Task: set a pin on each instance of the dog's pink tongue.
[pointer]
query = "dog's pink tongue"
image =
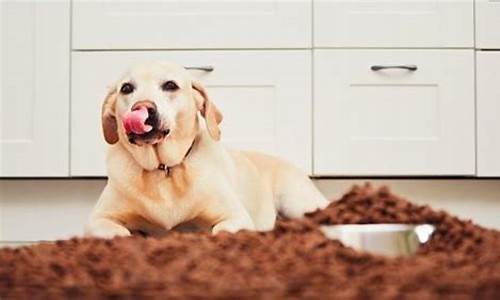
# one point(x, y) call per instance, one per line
point(134, 121)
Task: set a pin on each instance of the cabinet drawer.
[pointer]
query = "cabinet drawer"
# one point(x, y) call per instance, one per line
point(393, 23)
point(488, 111)
point(265, 97)
point(487, 24)
point(166, 24)
point(394, 121)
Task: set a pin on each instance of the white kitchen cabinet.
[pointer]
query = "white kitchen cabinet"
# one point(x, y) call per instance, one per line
point(394, 121)
point(487, 24)
point(166, 24)
point(265, 97)
point(34, 88)
point(488, 113)
point(394, 23)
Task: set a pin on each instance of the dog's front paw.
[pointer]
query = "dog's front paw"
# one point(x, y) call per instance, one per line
point(106, 229)
point(233, 226)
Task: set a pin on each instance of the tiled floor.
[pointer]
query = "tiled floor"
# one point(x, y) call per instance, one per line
point(58, 209)
point(15, 244)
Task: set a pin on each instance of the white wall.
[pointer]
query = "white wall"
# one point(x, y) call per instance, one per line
point(51, 209)
point(45, 209)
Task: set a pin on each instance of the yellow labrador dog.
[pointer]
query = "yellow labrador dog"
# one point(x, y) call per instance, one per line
point(167, 167)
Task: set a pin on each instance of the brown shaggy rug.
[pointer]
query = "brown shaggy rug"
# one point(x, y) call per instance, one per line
point(295, 260)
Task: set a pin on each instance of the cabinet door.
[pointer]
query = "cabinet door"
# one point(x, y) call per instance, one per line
point(166, 24)
point(394, 121)
point(488, 113)
point(487, 24)
point(265, 97)
point(394, 23)
point(34, 88)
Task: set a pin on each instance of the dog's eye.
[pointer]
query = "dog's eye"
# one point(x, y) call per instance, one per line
point(127, 88)
point(169, 86)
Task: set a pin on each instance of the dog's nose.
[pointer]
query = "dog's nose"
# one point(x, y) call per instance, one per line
point(149, 105)
point(153, 117)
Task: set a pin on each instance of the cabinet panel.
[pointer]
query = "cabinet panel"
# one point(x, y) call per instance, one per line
point(487, 24)
point(394, 121)
point(167, 24)
point(34, 88)
point(265, 97)
point(488, 113)
point(394, 23)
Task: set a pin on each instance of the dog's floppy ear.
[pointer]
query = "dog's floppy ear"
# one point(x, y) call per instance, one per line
point(109, 126)
point(209, 111)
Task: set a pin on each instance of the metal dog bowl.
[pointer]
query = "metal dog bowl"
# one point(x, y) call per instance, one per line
point(382, 239)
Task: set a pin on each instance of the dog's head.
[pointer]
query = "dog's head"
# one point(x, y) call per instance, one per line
point(155, 106)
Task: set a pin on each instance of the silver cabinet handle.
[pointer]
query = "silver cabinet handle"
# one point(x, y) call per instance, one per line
point(405, 67)
point(201, 68)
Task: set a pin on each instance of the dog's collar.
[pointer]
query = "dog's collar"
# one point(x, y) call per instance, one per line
point(166, 168)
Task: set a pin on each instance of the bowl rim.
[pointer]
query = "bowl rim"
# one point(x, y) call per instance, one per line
point(380, 227)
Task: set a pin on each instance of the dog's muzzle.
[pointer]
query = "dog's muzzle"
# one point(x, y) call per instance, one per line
point(143, 124)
